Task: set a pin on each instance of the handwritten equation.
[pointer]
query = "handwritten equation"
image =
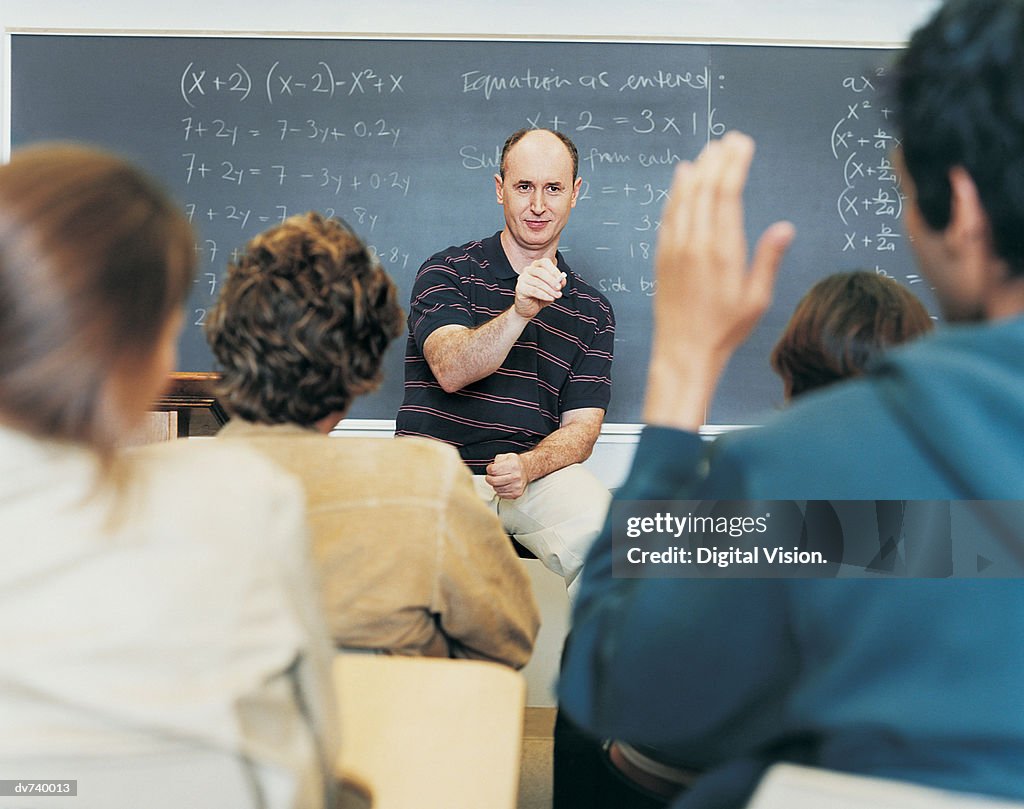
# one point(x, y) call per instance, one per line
point(198, 81)
point(869, 202)
point(259, 143)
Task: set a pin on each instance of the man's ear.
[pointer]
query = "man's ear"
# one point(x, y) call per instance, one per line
point(969, 233)
point(575, 191)
point(967, 217)
point(499, 189)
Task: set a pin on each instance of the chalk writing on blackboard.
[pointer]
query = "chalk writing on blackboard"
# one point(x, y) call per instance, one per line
point(400, 138)
point(869, 203)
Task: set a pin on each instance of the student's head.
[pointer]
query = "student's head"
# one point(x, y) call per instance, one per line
point(841, 325)
point(95, 264)
point(958, 93)
point(302, 323)
point(537, 186)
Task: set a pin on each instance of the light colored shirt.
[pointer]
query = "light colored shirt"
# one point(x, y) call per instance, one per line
point(410, 559)
point(161, 643)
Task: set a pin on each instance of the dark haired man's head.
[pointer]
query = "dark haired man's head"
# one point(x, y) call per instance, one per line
point(959, 99)
point(302, 323)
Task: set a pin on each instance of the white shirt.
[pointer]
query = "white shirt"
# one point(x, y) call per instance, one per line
point(166, 638)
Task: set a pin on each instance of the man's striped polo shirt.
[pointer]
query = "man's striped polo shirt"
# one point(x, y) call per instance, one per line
point(562, 361)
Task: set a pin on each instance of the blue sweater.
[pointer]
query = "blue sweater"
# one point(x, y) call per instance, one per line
point(912, 679)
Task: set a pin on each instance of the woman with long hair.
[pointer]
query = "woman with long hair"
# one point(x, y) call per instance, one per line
point(162, 646)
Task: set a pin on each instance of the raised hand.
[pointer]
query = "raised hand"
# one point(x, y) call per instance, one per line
point(709, 298)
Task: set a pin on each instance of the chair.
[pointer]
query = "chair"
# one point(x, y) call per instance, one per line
point(157, 425)
point(788, 786)
point(428, 733)
point(521, 552)
point(193, 397)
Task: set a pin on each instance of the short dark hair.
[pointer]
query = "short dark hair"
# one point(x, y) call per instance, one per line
point(519, 134)
point(302, 323)
point(841, 325)
point(958, 96)
point(95, 258)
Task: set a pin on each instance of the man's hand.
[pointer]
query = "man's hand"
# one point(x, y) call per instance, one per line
point(459, 356)
point(573, 441)
point(507, 475)
point(540, 283)
point(708, 299)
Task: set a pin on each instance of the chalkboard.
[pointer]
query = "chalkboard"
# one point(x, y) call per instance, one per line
point(401, 138)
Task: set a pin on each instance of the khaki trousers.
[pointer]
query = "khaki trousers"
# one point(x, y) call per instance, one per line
point(557, 518)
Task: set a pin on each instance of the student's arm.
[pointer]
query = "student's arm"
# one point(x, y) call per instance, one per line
point(573, 442)
point(643, 651)
point(458, 355)
point(484, 600)
point(645, 656)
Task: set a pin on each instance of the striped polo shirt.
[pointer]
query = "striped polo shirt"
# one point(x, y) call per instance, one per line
point(562, 360)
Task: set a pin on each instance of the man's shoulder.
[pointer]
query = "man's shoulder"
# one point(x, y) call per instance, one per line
point(838, 443)
point(933, 419)
point(410, 454)
point(346, 459)
point(477, 252)
point(850, 405)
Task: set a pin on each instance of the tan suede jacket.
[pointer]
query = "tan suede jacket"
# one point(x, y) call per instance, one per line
point(410, 560)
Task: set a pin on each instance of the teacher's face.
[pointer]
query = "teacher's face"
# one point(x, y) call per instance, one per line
point(537, 192)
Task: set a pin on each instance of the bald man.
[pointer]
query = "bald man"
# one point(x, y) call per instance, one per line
point(509, 358)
